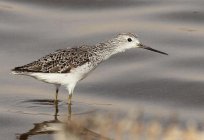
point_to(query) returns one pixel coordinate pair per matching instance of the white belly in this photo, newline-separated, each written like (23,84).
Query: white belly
(74,76)
(57,78)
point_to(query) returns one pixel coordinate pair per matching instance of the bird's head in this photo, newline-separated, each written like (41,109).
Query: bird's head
(126,41)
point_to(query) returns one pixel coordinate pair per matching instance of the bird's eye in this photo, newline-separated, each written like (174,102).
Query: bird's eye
(129,39)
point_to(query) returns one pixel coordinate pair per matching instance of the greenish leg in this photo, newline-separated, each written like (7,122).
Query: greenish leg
(56,110)
(56,95)
(69,99)
(69,112)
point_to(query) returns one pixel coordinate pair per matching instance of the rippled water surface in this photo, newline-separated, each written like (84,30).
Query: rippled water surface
(134,80)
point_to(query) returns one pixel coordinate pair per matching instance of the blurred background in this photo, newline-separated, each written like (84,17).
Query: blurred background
(153,87)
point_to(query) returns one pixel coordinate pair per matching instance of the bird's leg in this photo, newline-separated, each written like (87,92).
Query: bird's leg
(69,99)
(70,88)
(56,110)
(56,94)
(69,112)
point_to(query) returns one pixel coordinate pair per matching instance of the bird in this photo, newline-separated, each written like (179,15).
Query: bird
(68,66)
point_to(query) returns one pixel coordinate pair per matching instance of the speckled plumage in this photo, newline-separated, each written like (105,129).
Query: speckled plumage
(63,60)
(68,66)
(60,61)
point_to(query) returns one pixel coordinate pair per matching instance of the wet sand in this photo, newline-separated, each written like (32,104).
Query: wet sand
(132,81)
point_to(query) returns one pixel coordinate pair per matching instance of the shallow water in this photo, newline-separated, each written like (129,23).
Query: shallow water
(134,80)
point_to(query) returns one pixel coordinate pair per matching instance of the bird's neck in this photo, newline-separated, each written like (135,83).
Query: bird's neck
(105,50)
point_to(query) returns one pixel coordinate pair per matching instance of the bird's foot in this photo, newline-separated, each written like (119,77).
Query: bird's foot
(55,102)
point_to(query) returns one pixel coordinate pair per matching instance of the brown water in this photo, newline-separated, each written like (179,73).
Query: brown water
(134,80)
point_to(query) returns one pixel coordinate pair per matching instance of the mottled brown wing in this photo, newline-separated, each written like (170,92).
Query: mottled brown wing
(60,61)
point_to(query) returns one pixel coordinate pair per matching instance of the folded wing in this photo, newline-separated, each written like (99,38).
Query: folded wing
(60,61)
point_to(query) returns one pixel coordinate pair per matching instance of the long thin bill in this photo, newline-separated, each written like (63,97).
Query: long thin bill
(151,49)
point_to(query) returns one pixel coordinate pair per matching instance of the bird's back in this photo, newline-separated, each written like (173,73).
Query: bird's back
(60,61)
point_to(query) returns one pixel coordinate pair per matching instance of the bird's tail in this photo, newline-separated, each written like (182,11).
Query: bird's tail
(18,70)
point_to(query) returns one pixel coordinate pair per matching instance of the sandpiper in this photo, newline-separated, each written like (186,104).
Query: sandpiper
(68,66)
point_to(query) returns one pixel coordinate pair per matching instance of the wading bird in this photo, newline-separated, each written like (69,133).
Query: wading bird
(68,66)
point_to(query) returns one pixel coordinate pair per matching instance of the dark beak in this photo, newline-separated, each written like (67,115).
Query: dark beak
(151,49)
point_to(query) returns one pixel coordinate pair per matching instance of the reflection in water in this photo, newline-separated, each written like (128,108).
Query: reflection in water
(55,125)
(45,127)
